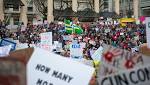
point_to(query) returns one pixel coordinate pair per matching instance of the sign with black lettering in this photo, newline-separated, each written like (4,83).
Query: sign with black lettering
(148,31)
(137,76)
(45,68)
(76,51)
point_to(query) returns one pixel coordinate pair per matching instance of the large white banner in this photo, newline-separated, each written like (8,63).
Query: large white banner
(46,41)
(76,51)
(148,31)
(46,68)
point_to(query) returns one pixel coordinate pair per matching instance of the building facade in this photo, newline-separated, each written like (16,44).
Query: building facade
(145,8)
(13,15)
(27,12)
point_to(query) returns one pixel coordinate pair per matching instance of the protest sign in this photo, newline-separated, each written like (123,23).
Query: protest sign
(57,46)
(46,41)
(5,42)
(116,60)
(76,51)
(136,76)
(46,68)
(98,54)
(148,31)
(4,50)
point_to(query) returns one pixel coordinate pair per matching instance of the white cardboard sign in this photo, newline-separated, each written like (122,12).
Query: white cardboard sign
(46,40)
(76,51)
(137,76)
(98,54)
(148,31)
(4,51)
(46,68)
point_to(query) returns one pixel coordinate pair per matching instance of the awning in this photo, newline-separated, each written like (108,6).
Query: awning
(122,20)
(109,15)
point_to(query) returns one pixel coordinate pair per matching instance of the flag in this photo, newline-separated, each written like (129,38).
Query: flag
(72,28)
(77,29)
(67,22)
(68,26)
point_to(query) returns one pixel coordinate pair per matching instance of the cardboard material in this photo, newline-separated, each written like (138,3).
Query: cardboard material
(22,55)
(12,72)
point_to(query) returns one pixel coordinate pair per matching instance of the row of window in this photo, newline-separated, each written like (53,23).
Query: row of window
(29,9)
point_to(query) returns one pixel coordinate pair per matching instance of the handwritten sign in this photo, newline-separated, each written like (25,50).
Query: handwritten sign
(5,42)
(136,76)
(76,51)
(45,68)
(148,31)
(46,40)
(116,60)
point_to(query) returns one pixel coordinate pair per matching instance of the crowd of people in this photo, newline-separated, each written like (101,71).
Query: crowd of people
(128,37)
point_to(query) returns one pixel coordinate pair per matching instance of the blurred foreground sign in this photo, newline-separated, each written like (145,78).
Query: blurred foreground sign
(137,76)
(148,31)
(4,50)
(45,68)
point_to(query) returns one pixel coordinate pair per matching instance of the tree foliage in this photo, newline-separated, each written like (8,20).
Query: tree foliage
(41,6)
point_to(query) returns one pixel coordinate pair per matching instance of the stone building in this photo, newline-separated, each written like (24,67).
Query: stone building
(14,11)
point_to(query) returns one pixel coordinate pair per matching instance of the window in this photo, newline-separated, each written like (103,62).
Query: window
(16,8)
(30,9)
(105,4)
(16,20)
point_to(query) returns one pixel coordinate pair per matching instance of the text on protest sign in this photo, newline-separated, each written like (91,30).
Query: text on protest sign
(138,76)
(45,68)
(76,51)
(46,40)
